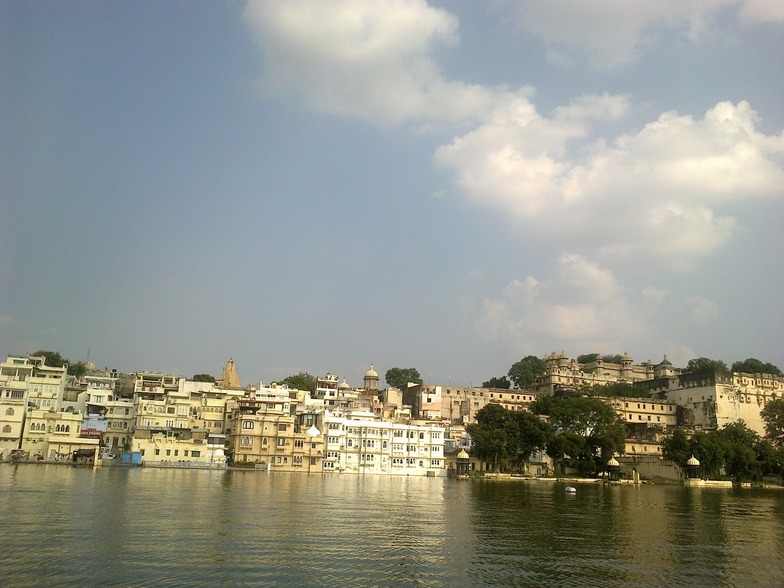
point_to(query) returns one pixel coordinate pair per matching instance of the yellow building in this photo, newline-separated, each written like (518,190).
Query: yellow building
(55,436)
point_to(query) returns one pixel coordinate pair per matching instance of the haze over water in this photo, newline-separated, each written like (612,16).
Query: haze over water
(146,527)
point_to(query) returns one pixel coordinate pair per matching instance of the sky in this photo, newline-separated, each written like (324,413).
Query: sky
(448,186)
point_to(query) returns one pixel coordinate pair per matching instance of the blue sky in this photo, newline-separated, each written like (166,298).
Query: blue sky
(448,186)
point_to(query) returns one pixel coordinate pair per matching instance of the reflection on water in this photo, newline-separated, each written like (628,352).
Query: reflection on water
(66,526)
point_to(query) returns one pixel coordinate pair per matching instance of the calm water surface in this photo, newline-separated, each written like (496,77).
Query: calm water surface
(65,526)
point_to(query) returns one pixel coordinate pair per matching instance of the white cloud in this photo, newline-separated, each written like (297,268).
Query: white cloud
(646,196)
(703,311)
(612,33)
(660,194)
(761,11)
(366,60)
(580,304)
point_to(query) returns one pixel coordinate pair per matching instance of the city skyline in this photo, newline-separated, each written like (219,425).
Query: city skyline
(446,186)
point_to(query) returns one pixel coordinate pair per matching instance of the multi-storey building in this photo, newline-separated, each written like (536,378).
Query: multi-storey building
(120,417)
(712,400)
(358,443)
(55,435)
(45,386)
(184,447)
(647,420)
(457,404)
(12,414)
(267,430)
(567,374)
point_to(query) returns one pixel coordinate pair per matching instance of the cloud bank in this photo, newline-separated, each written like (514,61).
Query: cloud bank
(660,195)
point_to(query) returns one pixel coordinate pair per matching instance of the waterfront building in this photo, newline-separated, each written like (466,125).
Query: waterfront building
(184,447)
(120,417)
(54,435)
(268,431)
(358,443)
(13,404)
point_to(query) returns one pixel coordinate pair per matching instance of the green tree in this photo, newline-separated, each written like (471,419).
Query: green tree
(773,415)
(77,369)
(301,381)
(400,377)
(524,372)
(701,365)
(614,389)
(489,435)
(755,366)
(677,447)
(527,433)
(603,430)
(51,358)
(54,359)
(710,450)
(740,460)
(505,438)
(203,378)
(587,358)
(501,382)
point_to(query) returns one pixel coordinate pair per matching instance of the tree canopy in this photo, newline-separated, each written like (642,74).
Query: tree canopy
(587,430)
(54,359)
(702,365)
(773,416)
(734,450)
(501,382)
(506,438)
(301,381)
(614,389)
(400,377)
(755,366)
(524,372)
(203,378)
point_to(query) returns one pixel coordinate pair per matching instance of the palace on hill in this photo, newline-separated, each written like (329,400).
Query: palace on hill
(162,420)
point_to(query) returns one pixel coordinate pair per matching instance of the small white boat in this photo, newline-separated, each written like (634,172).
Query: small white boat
(571,490)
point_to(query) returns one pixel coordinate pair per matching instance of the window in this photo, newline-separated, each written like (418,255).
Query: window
(7,429)
(435,463)
(195,453)
(246,441)
(247,424)
(281,427)
(157,451)
(298,443)
(185,453)
(281,442)
(176,452)
(168,452)
(9,412)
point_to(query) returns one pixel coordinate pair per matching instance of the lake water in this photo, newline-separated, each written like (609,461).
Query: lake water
(63,526)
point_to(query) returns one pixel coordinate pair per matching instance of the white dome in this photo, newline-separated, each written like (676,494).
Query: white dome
(371,373)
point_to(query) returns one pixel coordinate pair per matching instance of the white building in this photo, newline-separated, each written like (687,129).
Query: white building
(357,443)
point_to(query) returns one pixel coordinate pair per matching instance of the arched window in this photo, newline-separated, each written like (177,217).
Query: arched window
(57,428)
(9,412)
(67,428)
(7,429)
